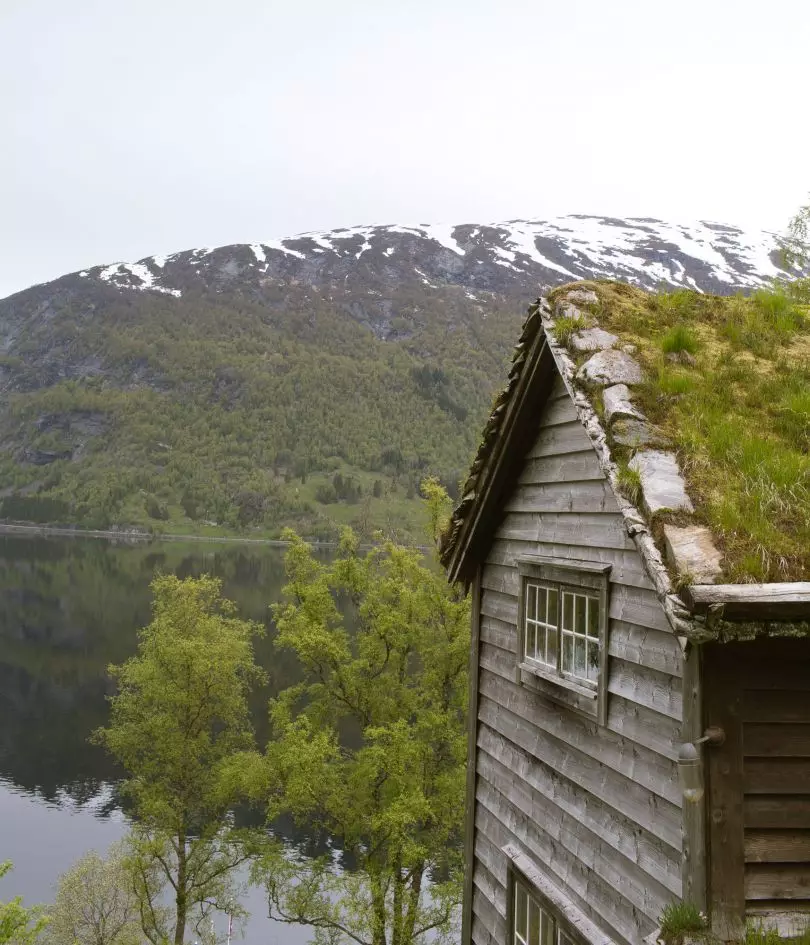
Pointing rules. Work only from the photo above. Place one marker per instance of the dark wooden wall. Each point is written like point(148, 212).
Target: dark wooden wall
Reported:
point(759, 781)
point(597, 809)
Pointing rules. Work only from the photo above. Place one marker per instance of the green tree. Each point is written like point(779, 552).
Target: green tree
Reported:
point(96, 903)
point(19, 925)
point(383, 644)
point(178, 721)
point(796, 245)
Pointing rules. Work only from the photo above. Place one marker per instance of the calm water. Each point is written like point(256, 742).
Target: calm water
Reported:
point(68, 608)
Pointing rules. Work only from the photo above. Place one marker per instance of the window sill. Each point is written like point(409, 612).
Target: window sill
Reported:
point(562, 681)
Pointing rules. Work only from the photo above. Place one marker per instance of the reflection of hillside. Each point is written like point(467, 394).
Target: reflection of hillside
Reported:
point(69, 608)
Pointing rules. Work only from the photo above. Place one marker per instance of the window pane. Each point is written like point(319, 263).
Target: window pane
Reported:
point(552, 607)
point(548, 930)
point(579, 614)
point(593, 660)
point(551, 647)
point(521, 911)
point(534, 923)
point(541, 604)
point(531, 602)
point(593, 617)
point(567, 643)
point(531, 641)
point(568, 611)
point(579, 657)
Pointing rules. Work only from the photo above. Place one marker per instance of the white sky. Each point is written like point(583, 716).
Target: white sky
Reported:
point(132, 128)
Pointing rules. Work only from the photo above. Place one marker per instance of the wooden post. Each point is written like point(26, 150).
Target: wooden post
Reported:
point(723, 696)
point(694, 812)
point(472, 738)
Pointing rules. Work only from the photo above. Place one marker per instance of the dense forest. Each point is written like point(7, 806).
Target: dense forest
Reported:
point(220, 413)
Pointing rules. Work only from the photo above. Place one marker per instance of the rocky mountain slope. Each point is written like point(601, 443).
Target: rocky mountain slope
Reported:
point(311, 380)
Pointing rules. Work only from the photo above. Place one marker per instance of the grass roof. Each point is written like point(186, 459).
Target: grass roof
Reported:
point(727, 382)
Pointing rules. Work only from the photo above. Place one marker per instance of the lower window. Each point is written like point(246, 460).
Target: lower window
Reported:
point(533, 924)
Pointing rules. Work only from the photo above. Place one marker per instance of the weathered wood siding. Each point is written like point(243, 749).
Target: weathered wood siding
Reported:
point(597, 809)
point(759, 781)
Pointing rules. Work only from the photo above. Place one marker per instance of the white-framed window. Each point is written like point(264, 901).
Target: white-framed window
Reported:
point(533, 923)
point(562, 628)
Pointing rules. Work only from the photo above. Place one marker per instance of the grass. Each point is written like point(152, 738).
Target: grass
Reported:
point(629, 482)
point(679, 338)
point(680, 921)
point(738, 413)
point(566, 326)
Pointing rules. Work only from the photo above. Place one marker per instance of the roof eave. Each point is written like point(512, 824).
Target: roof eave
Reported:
point(787, 602)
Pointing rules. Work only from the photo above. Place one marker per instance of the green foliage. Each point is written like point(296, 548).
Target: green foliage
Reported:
point(201, 400)
point(682, 920)
point(679, 338)
point(566, 326)
point(19, 925)
point(629, 483)
point(177, 724)
point(738, 414)
point(796, 245)
point(371, 745)
point(757, 934)
point(95, 903)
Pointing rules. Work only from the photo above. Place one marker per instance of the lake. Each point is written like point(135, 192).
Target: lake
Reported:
point(68, 608)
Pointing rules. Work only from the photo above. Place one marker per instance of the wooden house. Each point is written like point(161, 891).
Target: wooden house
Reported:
point(640, 669)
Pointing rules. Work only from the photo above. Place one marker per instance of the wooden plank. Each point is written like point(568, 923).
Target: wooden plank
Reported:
point(480, 935)
point(649, 769)
point(782, 601)
point(654, 649)
point(776, 705)
point(562, 439)
point(694, 868)
point(581, 823)
point(782, 776)
point(621, 792)
point(502, 607)
point(559, 410)
point(574, 874)
point(763, 811)
point(491, 919)
point(472, 741)
point(775, 881)
point(504, 460)
point(644, 727)
point(590, 495)
point(638, 606)
point(777, 740)
point(646, 687)
point(777, 846)
point(494, 891)
point(569, 467)
point(723, 698)
point(626, 565)
point(587, 528)
point(500, 634)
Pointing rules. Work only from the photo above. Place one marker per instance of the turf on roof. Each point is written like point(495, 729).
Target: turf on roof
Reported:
point(727, 382)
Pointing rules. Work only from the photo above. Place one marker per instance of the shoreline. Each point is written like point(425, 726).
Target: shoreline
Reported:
point(145, 537)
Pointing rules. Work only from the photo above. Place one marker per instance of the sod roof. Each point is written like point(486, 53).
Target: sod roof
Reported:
point(725, 387)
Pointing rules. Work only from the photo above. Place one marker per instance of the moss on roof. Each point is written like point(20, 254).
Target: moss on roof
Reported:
point(727, 382)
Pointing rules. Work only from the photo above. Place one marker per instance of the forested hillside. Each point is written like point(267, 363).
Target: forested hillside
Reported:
point(309, 383)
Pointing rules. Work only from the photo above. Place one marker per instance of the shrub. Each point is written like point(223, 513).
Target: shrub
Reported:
point(679, 338)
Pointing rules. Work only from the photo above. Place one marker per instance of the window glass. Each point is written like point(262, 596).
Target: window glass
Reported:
point(533, 924)
point(521, 913)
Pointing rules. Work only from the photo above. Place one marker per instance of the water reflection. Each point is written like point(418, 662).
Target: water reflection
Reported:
point(69, 608)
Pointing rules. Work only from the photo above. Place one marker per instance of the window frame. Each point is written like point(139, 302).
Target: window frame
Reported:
point(565, 933)
point(582, 578)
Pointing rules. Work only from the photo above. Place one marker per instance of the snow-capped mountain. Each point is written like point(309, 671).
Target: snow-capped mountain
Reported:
point(248, 384)
point(514, 258)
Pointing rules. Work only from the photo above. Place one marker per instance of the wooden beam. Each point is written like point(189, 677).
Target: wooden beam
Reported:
point(694, 812)
point(779, 602)
point(513, 440)
point(472, 738)
point(723, 698)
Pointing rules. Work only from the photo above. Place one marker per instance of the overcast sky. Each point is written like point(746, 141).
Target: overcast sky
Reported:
point(132, 128)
